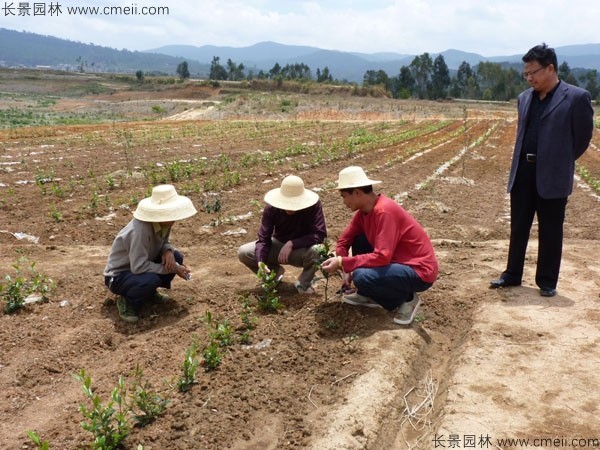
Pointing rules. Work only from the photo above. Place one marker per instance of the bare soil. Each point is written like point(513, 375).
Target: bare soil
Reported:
point(318, 374)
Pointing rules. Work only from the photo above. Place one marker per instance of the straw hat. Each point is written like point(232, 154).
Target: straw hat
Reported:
point(291, 196)
point(165, 205)
point(352, 177)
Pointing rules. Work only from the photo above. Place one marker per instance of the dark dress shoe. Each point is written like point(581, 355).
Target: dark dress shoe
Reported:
point(547, 292)
point(501, 282)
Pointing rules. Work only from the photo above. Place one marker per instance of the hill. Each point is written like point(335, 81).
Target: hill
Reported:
point(23, 49)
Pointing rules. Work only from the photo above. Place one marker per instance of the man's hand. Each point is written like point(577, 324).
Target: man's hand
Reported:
point(168, 260)
point(284, 253)
point(183, 271)
point(331, 265)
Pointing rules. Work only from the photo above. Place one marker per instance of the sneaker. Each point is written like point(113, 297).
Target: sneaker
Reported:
point(161, 298)
point(360, 300)
point(302, 290)
point(407, 311)
point(125, 312)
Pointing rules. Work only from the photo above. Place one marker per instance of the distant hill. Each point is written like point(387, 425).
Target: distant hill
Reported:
point(23, 49)
point(30, 50)
point(352, 66)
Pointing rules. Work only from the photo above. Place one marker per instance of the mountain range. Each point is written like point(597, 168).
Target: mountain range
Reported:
point(23, 49)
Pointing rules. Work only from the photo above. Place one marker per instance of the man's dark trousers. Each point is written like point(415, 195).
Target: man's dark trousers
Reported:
point(524, 203)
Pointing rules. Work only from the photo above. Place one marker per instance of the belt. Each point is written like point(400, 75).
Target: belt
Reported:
point(529, 157)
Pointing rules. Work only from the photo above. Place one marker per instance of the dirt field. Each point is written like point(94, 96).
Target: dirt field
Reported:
point(477, 367)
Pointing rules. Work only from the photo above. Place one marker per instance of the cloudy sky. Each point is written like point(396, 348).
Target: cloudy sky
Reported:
point(487, 27)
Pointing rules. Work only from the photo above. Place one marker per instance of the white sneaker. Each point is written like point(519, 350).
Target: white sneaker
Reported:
point(302, 290)
point(359, 300)
point(407, 311)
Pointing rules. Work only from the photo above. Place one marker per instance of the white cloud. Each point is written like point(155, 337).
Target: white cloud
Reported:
point(404, 26)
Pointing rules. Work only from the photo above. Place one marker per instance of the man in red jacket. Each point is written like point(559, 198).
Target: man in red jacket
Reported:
point(393, 257)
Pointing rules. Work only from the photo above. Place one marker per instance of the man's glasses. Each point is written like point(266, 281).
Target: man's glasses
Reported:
point(532, 72)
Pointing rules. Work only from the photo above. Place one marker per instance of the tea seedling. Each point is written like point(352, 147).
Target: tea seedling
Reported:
point(14, 291)
point(108, 423)
point(145, 404)
point(212, 356)
point(324, 253)
point(190, 365)
point(221, 333)
point(269, 301)
point(37, 440)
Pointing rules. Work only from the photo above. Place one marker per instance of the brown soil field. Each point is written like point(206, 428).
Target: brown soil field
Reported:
point(478, 366)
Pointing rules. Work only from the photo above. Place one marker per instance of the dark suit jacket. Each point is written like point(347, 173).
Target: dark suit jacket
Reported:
point(565, 132)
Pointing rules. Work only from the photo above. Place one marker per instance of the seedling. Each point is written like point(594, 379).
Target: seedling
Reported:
point(269, 301)
point(190, 365)
point(14, 290)
point(108, 423)
point(145, 404)
point(37, 440)
point(212, 356)
point(248, 319)
point(221, 332)
point(324, 253)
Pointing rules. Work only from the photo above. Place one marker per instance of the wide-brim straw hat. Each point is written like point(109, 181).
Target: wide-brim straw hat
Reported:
point(165, 205)
point(353, 177)
point(291, 196)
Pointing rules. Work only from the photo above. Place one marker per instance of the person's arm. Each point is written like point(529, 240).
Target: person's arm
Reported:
point(388, 234)
point(582, 123)
point(263, 242)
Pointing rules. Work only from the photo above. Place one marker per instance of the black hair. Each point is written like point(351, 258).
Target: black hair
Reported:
point(366, 189)
point(543, 54)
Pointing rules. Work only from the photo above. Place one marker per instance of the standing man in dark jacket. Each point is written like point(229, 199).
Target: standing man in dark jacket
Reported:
point(554, 129)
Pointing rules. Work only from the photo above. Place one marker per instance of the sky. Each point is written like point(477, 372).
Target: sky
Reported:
point(486, 27)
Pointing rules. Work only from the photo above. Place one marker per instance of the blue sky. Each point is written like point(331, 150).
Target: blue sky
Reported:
point(487, 27)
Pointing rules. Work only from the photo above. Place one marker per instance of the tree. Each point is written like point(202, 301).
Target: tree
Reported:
point(440, 78)
point(325, 76)
point(234, 72)
point(421, 68)
point(591, 83)
point(376, 78)
point(139, 75)
point(403, 85)
point(182, 70)
point(565, 74)
point(217, 71)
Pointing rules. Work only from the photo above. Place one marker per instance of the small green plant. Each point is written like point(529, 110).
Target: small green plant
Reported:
point(248, 318)
point(14, 290)
point(37, 440)
point(145, 404)
point(56, 214)
point(110, 181)
point(269, 301)
point(324, 253)
point(190, 366)
point(108, 423)
point(221, 332)
point(212, 356)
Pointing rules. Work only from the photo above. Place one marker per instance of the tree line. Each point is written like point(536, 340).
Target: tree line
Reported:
point(423, 78)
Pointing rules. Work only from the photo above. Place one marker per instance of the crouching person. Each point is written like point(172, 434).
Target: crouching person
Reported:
point(141, 259)
point(393, 258)
point(292, 223)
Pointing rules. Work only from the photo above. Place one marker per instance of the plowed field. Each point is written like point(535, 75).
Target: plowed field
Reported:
point(478, 365)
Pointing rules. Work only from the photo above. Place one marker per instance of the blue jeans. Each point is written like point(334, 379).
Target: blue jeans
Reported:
point(391, 285)
point(141, 287)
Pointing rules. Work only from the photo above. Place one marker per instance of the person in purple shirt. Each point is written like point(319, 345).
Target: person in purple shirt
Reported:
point(292, 223)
